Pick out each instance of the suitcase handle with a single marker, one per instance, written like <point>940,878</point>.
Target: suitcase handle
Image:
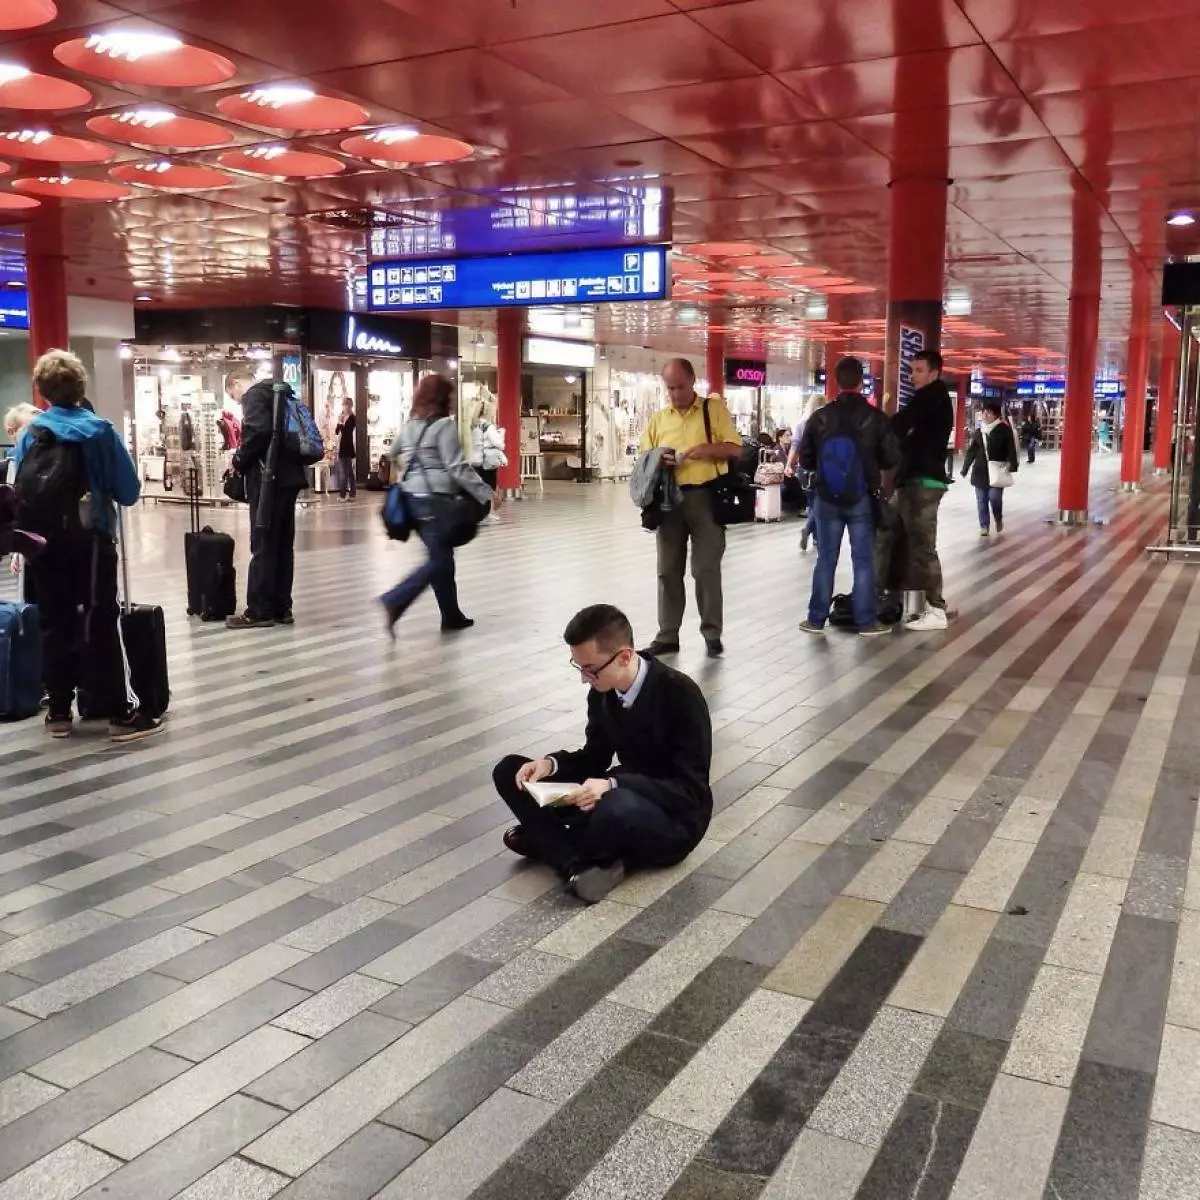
<point>126,599</point>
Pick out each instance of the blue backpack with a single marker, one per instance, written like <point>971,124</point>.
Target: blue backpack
<point>841,472</point>
<point>301,439</point>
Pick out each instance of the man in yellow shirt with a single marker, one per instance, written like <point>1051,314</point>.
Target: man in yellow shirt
<point>698,458</point>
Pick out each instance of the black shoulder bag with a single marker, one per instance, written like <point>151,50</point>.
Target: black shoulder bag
<point>732,493</point>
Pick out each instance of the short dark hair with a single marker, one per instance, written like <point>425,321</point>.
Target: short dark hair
<point>684,365</point>
<point>992,406</point>
<point>930,357</point>
<point>849,374</point>
<point>604,624</point>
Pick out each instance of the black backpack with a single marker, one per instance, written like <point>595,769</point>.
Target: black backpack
<point>50,484</point>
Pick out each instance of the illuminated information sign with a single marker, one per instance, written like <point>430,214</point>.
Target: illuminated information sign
<point>569,277</point>
<point>528,222</point>
<point>14,308</point>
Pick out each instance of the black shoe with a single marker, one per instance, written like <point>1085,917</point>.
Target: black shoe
<point>657,649</point>
<point>246,621</point>
<point>516,840</point>
<point>134,727</point>
<point>594,883</point>
<point>59,724</point>
<point>457,624</point>
<point>285,618</point>
<point>715,647</point>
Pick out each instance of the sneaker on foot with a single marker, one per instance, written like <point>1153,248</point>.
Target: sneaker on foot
<point>811,627</point>
<point>594,883</point>
<point>658,648</point>
<point>931,620</point>
<point>246,621</point>
<point>985,533</point>
<point>457,624</point>
<point>804,542</point>
<point>59,724</point>
<point>134,727</point>
<point>876,630</point>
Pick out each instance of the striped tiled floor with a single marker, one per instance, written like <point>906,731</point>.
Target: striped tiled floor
<point>941,941</point>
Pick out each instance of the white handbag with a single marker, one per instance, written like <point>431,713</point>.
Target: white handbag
<point>1000,474</point>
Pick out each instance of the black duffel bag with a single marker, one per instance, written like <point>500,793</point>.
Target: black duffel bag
<point>732,493</point>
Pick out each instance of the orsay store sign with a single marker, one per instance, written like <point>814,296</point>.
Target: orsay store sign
<point>745,372</point>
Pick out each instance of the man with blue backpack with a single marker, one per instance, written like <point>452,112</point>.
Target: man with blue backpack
<point>845,448</point>
<point>279,442</point>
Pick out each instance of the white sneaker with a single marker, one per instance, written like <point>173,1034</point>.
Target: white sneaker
<point>931,620</point>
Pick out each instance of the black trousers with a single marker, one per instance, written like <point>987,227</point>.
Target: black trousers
<point>272,552</point>
<point>622,827</point>
<point>75,580</point>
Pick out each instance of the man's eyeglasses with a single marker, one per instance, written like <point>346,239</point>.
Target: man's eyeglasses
<point>596,672</point>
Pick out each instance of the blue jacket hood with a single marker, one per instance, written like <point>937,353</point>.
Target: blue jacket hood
<point>112,477</point>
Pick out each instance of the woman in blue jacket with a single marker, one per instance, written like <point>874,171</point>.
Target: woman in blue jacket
<point>71,470</point>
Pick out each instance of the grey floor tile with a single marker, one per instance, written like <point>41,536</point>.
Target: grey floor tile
<point>434,989</point>
<point>231,1021</point>
<point>358,1169</point>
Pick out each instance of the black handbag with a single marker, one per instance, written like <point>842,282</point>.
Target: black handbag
<point>234,487</point>
<point>732,494</point>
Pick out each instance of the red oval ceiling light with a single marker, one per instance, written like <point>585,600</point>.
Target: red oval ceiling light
<point>761,261</point>
<point>64,187</point>
<point>40,145</point>
<point>11,203</point>
<point>144,57</point>
<point>849,289</point>
<point>171,176</point>
<point>797,273</point>
<point>721,249</point>
<point>280,162</point>
<point>292,107</point>
<point>160,129</point>
<point>406,147</point>
<point>829,281</point>
<point>22,88</point>
<point>26,14</point>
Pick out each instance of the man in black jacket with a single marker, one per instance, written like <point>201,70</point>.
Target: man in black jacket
<point>924,427</point>
<point>650,810</point>
<point>272,545</point>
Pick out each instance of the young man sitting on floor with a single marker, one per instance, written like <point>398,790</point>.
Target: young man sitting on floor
<point>649,810</point>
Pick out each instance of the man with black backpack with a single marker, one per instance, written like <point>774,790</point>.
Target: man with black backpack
<point>71,471</point>
<point>846,445</point>
<point>276,447</point>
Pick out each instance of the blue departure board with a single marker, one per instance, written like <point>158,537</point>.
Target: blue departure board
<point>568,277</point>
<point>524,222</point>
<point>14,308</point>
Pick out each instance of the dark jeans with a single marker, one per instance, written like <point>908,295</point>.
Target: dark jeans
<point>832,521</point>
<point>993,497</point>
<point>76,585</point>
<point>272,552</point>
<point>623,827</point>
<point>1031,447</point>
<point>349,481</point>
<point>437,572</point>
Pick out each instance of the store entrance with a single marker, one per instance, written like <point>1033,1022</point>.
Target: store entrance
<point>554,409</point>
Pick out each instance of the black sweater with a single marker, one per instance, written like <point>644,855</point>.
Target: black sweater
<point>663,745</point>
<point>924,426</point>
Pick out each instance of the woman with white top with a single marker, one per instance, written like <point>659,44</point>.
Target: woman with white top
<point>433,475</point>
<point>992,461</point>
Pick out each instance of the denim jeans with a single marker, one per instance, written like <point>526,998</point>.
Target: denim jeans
<point>831,522</point>
<point>437,572</point>
<point>993,497</point>
<point>622,827</point>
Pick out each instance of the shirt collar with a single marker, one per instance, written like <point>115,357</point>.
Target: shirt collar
<point>635,688</point>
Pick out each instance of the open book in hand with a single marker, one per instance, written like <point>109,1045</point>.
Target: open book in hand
<point>548,795</point>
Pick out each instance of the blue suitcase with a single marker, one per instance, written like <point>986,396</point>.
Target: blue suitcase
<point>20,661</point>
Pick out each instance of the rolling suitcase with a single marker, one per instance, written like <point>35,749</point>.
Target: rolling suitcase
<point>144,635</point>
<point>211,576</point>
<point>20,658</point>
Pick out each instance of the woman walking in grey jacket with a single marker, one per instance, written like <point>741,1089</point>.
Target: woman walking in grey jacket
<point>433,476</point>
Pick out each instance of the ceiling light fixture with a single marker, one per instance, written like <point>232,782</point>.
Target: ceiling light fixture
<point>11,72</point>
<point>142,298</point>
<point>30,136</point>
<point>267,152</point>
<point>132,46</point>
<point>279,95</point>
<point>1181,218</point>
<point>389,137</point>
<point>146,118</point>
<point>155,168</point>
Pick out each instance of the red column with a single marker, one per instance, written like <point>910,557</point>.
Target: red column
<point>1168,386</point>
<point>48,327</point>
<point>510,327</point>
<point>714,362</point>
<point>1137,369</point>
<point>1076,459</point>
<point>960,417</point>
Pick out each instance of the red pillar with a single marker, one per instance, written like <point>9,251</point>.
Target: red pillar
<point>510,328</point>
<point>1137,369</point>
<point>960,417</point>
<point>1168,387</point>
<point>714,362</point>
<point>1076,460</point>
<point>48,326</point>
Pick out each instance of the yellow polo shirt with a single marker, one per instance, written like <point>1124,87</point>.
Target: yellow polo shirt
<point>682,431</point>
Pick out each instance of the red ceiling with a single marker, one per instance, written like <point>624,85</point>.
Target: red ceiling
<point>778,122</point>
